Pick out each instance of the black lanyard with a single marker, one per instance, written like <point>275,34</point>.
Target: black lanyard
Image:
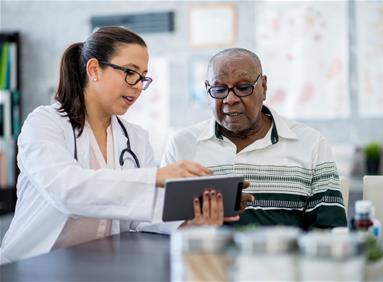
<point>126,150</point>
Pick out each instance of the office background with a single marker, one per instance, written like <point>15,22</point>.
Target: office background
<point>324,61</point>
<point>179,58</point>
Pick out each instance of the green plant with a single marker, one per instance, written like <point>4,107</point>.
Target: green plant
<point>373,251</point>
<point>372,151</point>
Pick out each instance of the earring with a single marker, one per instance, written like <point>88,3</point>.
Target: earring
<point>94,79</point>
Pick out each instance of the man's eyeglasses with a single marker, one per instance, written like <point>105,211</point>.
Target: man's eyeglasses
<point>240,90</point>
<point>131,76</point>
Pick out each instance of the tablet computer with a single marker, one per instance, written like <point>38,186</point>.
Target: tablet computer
<point>180,193</point>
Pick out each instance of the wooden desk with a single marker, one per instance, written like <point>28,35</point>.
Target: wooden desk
<point>123,257</point>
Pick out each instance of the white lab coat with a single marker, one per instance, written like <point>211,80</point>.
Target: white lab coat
<point>53,186</point>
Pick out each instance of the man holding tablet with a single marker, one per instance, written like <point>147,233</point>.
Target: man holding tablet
<point>290,166</point>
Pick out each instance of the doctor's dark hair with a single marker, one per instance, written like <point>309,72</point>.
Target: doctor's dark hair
<point>101,45</point>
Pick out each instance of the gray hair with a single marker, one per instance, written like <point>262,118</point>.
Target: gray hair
<point>234,52</point>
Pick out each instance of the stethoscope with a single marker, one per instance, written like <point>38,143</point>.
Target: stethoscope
<point>126,150</point>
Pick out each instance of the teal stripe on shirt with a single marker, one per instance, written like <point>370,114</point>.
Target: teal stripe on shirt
<point>284,193</point>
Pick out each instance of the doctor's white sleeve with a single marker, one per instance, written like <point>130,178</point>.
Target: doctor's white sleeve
<point>157,225</point>
<point>48,167</point>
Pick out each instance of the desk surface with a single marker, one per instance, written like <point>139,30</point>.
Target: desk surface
<point>123,257</point>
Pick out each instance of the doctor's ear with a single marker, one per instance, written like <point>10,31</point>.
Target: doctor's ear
<point>93,69</point>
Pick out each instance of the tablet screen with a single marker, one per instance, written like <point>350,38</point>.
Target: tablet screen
<point>180,193</point>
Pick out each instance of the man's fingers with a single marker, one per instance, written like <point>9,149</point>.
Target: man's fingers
<point>246,184</point>
<point>220,208</point>
<point>246,200</point>
<point>247,197</point>
<point>213,207</point>
<point>197,209</point>
<point>206,207</point>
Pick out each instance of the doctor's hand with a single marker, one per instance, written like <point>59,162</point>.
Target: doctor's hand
<point>211,212</point>
<point>180,169</point>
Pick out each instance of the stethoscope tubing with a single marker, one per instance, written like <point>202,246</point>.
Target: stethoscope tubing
<point>127,149</point>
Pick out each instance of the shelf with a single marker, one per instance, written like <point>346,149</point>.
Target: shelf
<point>11,113</point>
<point>9,36</point>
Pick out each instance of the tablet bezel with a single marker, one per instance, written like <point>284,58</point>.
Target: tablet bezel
<point>180,193</point>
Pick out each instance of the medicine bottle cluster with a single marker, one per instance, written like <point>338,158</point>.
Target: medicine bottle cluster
<point>364,219</point>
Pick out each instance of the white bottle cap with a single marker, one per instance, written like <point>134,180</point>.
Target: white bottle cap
<point>363,206</point>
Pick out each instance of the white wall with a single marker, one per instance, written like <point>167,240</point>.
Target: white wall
<point>47,28</point>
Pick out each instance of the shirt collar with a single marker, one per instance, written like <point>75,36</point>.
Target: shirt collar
<point>280,123</point>
<point>280,128</point>
<point>208,131</point>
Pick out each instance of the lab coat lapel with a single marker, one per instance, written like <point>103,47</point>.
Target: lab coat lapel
<point>119,143</point>
<point>83,146</point>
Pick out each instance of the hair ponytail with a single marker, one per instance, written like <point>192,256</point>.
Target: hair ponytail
<point>101,45</point>
<point>71,86</point>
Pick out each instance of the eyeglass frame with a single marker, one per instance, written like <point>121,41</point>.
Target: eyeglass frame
<point>142,78</point>
<point>253,85</point>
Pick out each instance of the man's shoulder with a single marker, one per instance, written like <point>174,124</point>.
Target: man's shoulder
<point>301,129</point>
<point>293,129</point>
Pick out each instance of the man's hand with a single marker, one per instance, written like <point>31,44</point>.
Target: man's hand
<point>245,197</point>
<point>212,211</point>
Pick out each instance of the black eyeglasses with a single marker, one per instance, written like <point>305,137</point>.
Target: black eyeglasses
<point>240,90</point>
<point>131,76</point>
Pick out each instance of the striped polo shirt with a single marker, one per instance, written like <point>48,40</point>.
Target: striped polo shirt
<point>292,172</point>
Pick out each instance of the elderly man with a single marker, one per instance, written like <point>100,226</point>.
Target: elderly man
<point>292,173</point>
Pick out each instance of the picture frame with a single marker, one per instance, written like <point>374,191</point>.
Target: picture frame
<point>212,26</point>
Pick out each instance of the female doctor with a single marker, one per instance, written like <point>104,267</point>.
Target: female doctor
<point>84,172</point>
